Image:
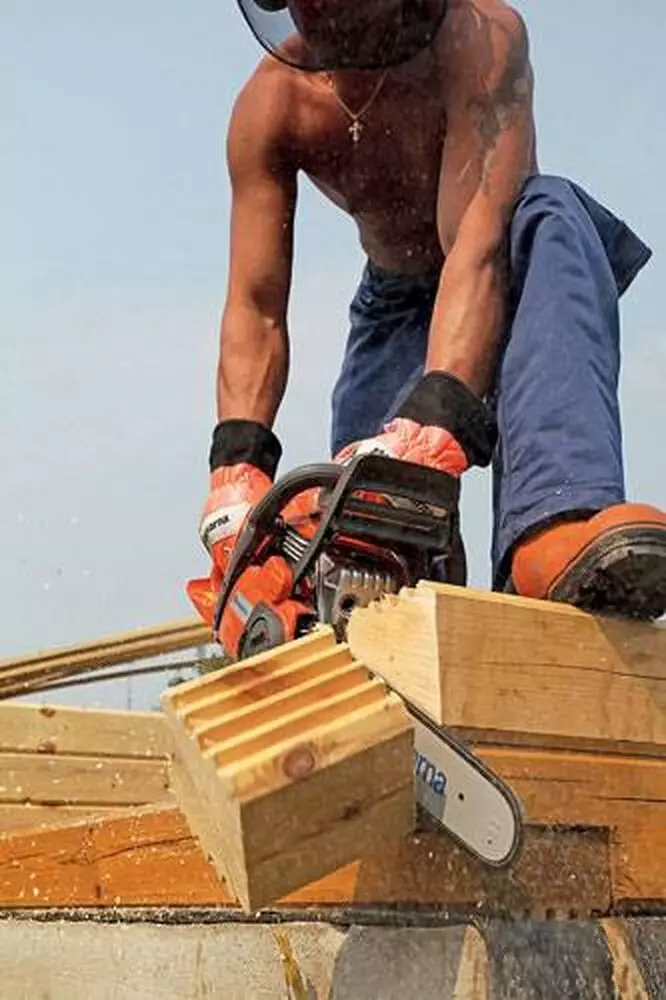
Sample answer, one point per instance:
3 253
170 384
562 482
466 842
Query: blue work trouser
556 390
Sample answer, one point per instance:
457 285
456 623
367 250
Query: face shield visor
316 35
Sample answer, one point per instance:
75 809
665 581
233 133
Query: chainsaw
371 527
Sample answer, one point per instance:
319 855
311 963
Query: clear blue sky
113 257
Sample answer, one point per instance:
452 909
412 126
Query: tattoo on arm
499 108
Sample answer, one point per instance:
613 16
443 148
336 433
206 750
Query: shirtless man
485 327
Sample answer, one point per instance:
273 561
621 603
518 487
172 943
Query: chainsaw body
327 538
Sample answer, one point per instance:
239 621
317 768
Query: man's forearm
469 318
253 367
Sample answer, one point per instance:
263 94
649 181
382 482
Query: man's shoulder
470 12
266 99
482 36
471 23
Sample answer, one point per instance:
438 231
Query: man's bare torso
388 181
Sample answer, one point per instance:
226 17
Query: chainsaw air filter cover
320 35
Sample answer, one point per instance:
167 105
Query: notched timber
290 764
525 669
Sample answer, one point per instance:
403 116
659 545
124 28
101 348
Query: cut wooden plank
149 858
638 864
60 730
50 779
294 770
18 672
482 661
576 788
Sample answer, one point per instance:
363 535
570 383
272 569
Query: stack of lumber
568 708
60 764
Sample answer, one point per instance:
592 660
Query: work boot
613 562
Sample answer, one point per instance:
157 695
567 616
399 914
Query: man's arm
254 346
489 152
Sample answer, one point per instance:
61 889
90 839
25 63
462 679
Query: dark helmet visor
320 35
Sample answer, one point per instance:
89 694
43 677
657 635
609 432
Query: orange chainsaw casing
203 596
268 585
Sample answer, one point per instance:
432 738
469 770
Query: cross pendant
355 130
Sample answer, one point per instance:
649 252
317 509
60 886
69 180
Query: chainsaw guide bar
462 795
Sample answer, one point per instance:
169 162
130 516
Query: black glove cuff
236 441
442 400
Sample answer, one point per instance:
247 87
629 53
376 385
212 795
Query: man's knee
548 186
546 196
590 227
552 221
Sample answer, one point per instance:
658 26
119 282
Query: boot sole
622 573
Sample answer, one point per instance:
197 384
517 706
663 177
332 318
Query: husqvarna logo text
426 771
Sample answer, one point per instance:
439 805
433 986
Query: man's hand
441 425
234 491
243 460
244 456
412 442
488 154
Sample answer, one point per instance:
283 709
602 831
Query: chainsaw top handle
426 520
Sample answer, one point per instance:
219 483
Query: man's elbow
481 254
254 316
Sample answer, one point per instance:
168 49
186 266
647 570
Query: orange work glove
234 491
441 424
243 459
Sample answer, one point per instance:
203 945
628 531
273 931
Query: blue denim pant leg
560 447
385 352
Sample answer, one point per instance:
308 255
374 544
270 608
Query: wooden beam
60 779
149 858
61 763
555 786
60 730
538 670
638 864
581 788
18 673
297 762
